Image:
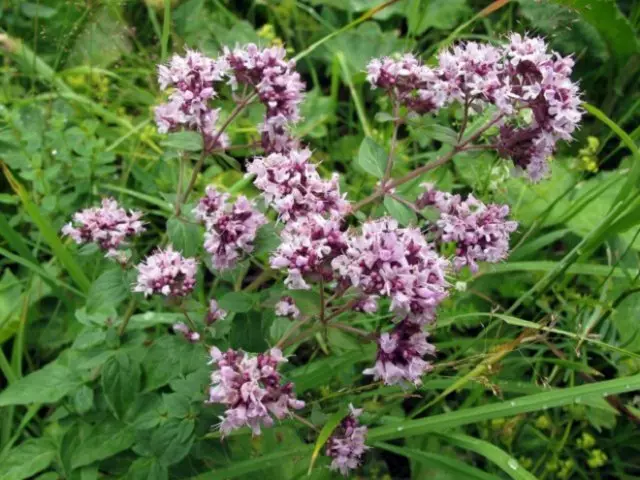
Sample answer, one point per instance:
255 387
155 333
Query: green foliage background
538 360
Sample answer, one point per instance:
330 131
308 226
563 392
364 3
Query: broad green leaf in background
110 288
608 20
401 212
147 468
440 14
106 439
237 302
185 236
185 140
104 39
372 158
27 459
121 377
47 385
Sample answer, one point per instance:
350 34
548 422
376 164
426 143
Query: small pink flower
481 232
346 445
189 335
231 228
400 355
385 260
278 86
251 388
286 307
166 272
109 226
291 185
215 313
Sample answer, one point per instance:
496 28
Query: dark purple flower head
400 355
108 226
481 232
278 86
231 228
398 263
251 388
166 272
307 247
346 445
292 186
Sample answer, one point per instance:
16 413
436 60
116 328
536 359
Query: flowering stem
206 150
127 315
322 319
394 139
356 331
460 147
465 119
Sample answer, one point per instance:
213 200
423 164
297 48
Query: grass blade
325 433
49 233
496 455
529 403
451 465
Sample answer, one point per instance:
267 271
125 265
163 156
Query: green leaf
525 404
27 459
147 469
608 20
185 140
107 438
169 443
249 332
47 385
104 39
267 240
83 400
121 382
254 465
110 288
34 10
439 14
186 237
238 302
450 465
402 213
372 158
502 459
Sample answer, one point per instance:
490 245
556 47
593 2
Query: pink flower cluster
481 232
250 386
278 86
400 355
346 445
231 227
286 307
398 263
307 247
166 272
108 226
523 74
291 184
192 78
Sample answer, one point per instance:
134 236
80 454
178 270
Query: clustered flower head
290 183
215 313
346 445
231 228
521 75
108 226
286 307
166 272
307 247
398 263
251 388
187 333
278 86
481 232
192 78
400 355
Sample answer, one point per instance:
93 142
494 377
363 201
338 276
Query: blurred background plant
76 98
